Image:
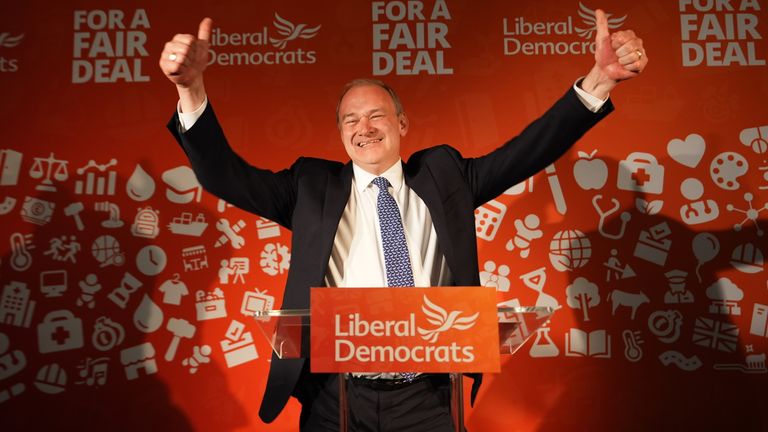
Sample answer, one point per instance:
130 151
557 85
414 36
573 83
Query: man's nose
364 126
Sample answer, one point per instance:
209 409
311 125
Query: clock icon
151 260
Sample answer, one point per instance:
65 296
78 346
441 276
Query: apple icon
590 172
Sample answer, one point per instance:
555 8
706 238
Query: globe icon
569 250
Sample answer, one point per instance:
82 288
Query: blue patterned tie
396 257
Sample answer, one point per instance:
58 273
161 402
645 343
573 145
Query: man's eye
376 117
351 122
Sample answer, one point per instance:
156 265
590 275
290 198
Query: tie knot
381 182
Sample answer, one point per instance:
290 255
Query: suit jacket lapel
336 196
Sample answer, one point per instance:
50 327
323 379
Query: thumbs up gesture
185 57
619 56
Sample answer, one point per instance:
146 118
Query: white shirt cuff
592 103
188 119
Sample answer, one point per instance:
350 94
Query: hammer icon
74 210
180 328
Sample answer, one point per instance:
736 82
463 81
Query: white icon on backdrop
107 334
93 372
555 189
63 249
37 211
590 172
140 185
677 292
51 379
151 260
265 228
182 184
726 168
200 356
275 259
687 152
759 324
648 207
536 280
73 210
48 169
665 325
527 231
11 363
236 267
146 223
684 363
60 330
718 335
256 301
113 220
753 363
579 343
615 270
180 329
10 165
122 294
755 138
582 294
705 248
632 349
238 345
106 250
88 288
21 244
7 205
493 278
16 308
543 346
99 180
698 211
604 214
53 283
747 258
725 296
569 250
137 359
148 316
525 185
230 233
627 299
210 305
186 225
654 244
750 215
640 172
488 218
173 290
194 258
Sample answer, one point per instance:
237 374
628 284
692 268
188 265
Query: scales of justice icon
49 169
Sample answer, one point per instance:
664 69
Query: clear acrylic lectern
287 332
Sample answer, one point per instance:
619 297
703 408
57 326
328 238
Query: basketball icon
106 250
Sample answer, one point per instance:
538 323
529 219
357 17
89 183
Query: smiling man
377 220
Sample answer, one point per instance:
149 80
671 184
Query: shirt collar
394 174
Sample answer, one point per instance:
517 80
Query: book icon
579 343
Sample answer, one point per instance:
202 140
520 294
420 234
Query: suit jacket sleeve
225 174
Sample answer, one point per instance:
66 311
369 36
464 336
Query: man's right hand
183 61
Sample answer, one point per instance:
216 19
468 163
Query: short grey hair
369 82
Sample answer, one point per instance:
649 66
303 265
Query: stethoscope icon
625 217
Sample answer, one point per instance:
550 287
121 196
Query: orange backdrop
118 312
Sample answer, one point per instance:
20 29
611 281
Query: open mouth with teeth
368 142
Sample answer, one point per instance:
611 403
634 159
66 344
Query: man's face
370 128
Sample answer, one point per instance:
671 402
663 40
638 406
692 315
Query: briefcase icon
642 173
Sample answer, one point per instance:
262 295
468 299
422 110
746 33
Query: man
342 231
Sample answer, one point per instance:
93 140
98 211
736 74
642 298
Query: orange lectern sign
438 329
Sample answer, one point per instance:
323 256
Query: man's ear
403 122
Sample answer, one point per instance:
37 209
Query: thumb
601 24
204 31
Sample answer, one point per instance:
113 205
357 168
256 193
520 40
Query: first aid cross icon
640 177
60 335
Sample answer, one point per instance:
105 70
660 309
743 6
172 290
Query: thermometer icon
21 259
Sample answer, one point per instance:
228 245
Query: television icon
53 283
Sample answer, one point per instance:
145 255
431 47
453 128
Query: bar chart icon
98 180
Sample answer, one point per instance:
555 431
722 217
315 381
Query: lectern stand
287 332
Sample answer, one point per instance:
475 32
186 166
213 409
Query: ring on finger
172 57
639 54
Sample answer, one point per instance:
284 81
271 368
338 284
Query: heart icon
687 152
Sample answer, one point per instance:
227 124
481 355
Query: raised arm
183 61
